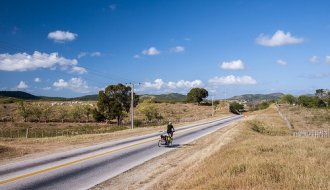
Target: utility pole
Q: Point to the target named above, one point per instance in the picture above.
(212, 108)
(132, 104)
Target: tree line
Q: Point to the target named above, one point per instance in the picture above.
(321, 99)
(114, 103)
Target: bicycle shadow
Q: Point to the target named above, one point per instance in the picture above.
(179, 145)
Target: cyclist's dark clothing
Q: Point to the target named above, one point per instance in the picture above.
(170, 130)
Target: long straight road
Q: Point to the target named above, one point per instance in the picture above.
(86, 167)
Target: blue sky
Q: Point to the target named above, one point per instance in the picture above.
(74, 48)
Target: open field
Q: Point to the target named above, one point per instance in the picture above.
(302, 118)
(263, 156)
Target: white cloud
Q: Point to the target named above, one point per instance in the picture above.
(278, 39)
(79, 70)
(327, 59)
(91, 54)
(233, 65)
(314, 59)
(62, 36)
(25, 62)
(22, 85)
(178, 49)
(281, 62)
(74, 84)
(185, 84)
(37, 79)
(60, 84)
(157, 84)
(151, 51)
(182, 84)
(232, 80)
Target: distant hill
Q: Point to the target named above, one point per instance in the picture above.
(26, 96)
(257, 97)
(19, 95)
(172, 97)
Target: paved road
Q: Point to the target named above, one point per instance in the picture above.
(86, 167)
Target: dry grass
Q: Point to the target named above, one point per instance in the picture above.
(307, 118)
(264, 159)
(187, 112)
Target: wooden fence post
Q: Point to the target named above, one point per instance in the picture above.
(27, 133)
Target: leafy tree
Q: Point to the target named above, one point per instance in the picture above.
(288, 98)
(115, 101)
(311, 102)
(62, 113)
(23, 110)
(36, 111)
(236, 107)
(98, 116)
(87, 111)
(77, 113)
(149, 110)
(197, 95)
(46, 111)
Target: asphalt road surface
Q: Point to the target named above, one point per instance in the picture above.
(86, 167)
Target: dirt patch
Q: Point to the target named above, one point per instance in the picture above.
(165, 171)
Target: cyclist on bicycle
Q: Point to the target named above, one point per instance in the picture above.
(170, 129)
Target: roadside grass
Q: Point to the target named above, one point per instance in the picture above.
(264, 156)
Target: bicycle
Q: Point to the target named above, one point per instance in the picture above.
(165, 140)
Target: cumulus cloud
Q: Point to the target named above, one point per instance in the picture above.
(62, 36)
(232, 80)
(314, 59)
(74, 84)
(184, 84)
(157, 84)
(233, 65)
(25, 62)
(22, 85)
(37, 79)
(79, 70)
(151, 51)
(178, 49)
(280, 38)
(281, 62)
(181, 84)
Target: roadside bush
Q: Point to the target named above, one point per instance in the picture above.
(263, 105)
(98, 116)
(138, 123)
(311, 102)
(236, 108)
(288, 98)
